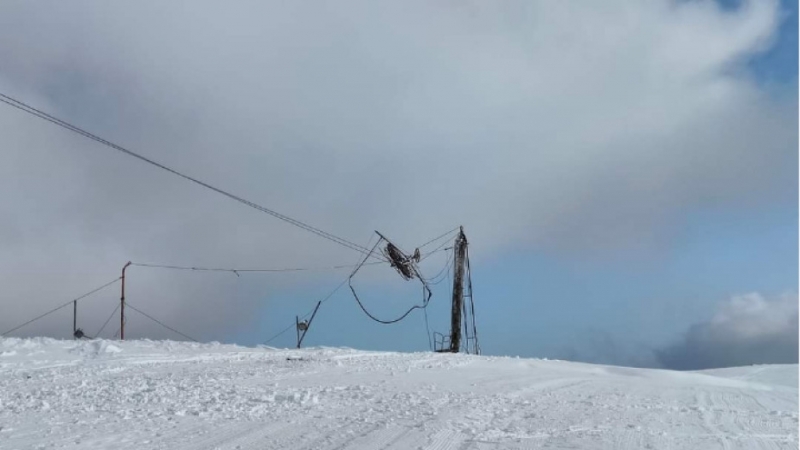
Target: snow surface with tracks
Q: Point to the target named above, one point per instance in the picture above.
(174, 395)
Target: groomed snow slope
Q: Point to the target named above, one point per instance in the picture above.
(169, 395)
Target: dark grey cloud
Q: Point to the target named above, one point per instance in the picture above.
(747, 329)
(550, 125)
(599, 346)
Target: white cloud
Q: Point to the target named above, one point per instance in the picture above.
(746, 329)
(752, 316)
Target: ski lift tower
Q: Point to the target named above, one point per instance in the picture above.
(463, 306)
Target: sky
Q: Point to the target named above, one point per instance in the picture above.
(626, 172)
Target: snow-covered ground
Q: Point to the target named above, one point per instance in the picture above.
(170, 395)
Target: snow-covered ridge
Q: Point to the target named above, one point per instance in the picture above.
(176, 395)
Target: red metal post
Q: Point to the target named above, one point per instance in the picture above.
(122, 305)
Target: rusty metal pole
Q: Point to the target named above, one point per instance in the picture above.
(297, 327)
(122, 305)
(300, 337)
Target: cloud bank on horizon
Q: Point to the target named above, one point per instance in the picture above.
(746, 329)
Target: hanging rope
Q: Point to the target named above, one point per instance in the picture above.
(406, 267)
(160, 322)
(477, 347)
(327, 297)
(97, 335)
(427, 328)
(443, 272)
(358, 266)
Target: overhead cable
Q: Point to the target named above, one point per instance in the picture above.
(327, 297)
(160, 322)
(62, 306)
(426, 290)
(110, 316)
(440, 237)
(238, 271)
(52, 119)
(347, 280)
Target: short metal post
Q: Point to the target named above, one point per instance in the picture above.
(297, 327)
(122, 305)
(307, 326)
(74, 318)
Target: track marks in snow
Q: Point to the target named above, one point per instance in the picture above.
(738, 419)
(446, 440)
(182, 397)
(382, 437)
(304, 434)
(211, 438)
